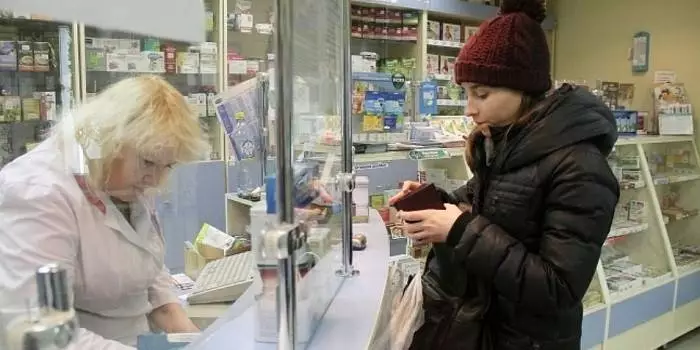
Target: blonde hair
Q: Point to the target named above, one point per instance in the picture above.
(145, 113)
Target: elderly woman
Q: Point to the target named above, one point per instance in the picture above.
(80, 199)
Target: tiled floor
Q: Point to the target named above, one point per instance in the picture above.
(690, 341)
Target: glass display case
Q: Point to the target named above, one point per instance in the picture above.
(593, 299)
(674, 169)
(634, 256)
(109, 56)
(37, 79)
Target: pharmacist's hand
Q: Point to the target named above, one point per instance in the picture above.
(430, 226)
(408, 187)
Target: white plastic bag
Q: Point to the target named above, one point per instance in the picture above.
(407, 316)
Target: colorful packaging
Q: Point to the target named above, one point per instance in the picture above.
(434, 30)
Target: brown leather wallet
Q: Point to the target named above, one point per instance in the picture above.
(425, 197)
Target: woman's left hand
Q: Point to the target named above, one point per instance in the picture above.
(430, 226)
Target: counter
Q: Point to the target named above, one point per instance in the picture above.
(351, 318)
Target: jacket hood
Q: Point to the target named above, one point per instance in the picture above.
(573, 115)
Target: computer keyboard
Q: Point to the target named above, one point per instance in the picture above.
(223, 280)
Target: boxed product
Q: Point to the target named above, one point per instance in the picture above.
(447, 65)
(432, 64)
(8, 56)
(393, 110)
(116, 62)
(368, 14)
(31, 108)
(95, 59)
(621, 283)
(47, 100)
(42, 56)
(360, 200)
(411, 18)
(381, 31)
(410, 32)
(451, 32)
(395, 33)
(356, 30)
(395, 16)
(434, 30)
(207, 63)
(124, 46)
(188, 62)
(146, 62)
(151, 44)
(356, 13)
(381, 15)
(25, 56)
(470, 32)
(170, 58)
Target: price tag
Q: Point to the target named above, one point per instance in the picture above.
(432, 153)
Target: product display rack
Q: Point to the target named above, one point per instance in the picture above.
(643, 295)
(193, 68)
(37, 75)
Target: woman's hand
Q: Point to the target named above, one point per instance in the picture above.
(430, 226)
(408, 187)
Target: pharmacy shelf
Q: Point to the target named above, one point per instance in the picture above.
(657, 306)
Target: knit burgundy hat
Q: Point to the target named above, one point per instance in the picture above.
(509, 50)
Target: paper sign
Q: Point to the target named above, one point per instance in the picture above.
(664, 76)
(185, 22)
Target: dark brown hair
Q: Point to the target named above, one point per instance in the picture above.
(529, 108)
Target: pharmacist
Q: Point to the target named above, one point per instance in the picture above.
(81, 199)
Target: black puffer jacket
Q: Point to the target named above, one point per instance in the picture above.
(513, 272)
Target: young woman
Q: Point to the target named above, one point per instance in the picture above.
(80, 199)
(516, 248)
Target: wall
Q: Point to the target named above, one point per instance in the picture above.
(593, 38)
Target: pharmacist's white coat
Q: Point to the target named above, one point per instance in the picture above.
(118, 273)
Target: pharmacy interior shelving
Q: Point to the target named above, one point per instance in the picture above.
(37, 78)
(647, 285)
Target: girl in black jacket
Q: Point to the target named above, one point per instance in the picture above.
(516, 248)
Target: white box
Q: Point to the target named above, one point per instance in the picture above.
(116, 62)
(187, 62)
(432, 64)
(207, 63)
(451, 32)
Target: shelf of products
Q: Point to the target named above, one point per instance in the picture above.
(675, 172)
(633, 257)
(36, 77)
(191, 67)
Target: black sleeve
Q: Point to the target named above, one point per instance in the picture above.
(464, 194)
(578, 211)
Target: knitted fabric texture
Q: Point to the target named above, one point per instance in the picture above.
(509, 50)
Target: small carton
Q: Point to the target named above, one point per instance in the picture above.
(188, 62)
(434, 30)
(12, 107)
(116, 62)
(42, 56)
(25, 56)
(451, 32)
(410, 33)
(31, 108)
(447, 65)
(8, 56)
(432, 64)
(95, 59)
(47, 100)
(207, 63)
(170, 58)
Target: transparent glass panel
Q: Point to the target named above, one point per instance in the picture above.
(634, 256)
(674, 168)
(593, 299)
(36, 80)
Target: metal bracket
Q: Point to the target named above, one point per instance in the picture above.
(345, 182)
(282, 240)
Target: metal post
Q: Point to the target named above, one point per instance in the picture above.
(263, 107)
(284, 84)
(347, 176)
